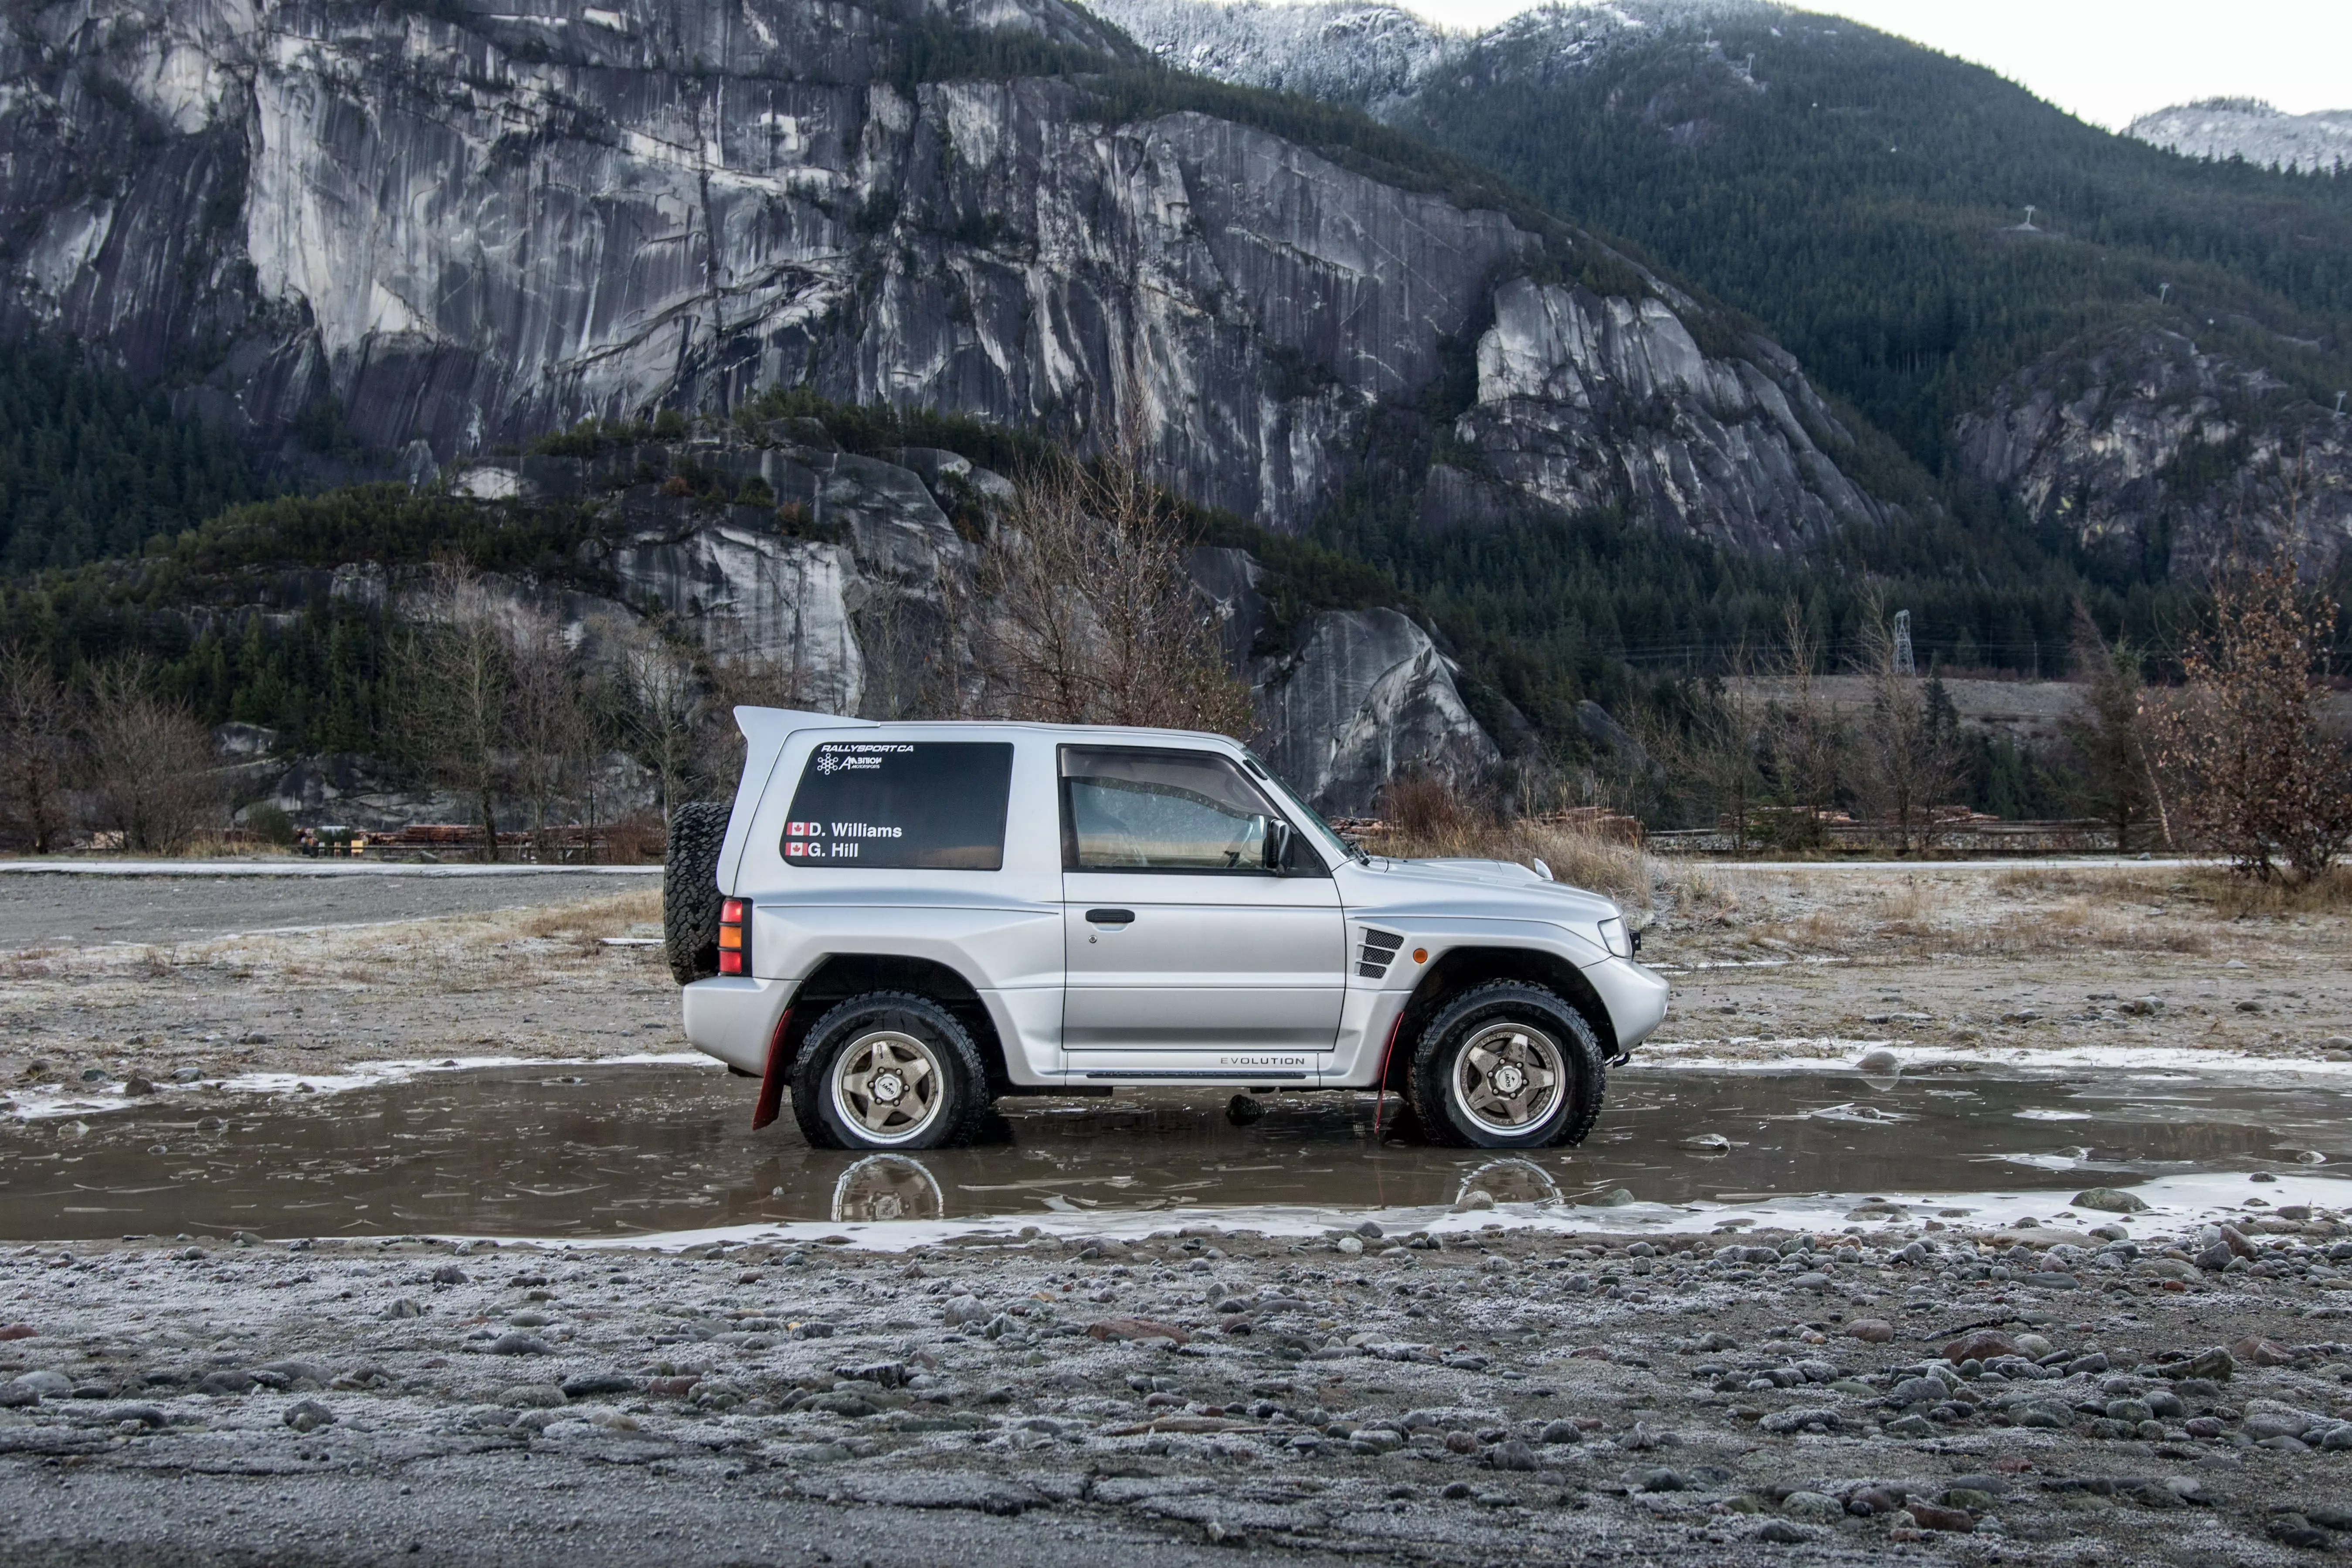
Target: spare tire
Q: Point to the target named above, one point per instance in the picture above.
(690, 890)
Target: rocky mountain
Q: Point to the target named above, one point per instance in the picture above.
(432, 229)
(1860, 197)
(753, 559)
(2164, 453)
(2250, 129)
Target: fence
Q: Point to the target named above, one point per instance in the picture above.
(1947, 835)
(570, 843)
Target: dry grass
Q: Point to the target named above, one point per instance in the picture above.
(2234, 897)
(588, 922)
(1430, 822)
(2028, 915)
(2107, 882)
(1579, 858)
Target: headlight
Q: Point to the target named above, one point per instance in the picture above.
(1614, 938)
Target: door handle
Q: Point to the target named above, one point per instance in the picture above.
(1110, 916)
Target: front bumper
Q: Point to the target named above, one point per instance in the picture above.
(733, 1018)
(1635, 994)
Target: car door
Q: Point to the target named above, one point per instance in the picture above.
(1186, 955)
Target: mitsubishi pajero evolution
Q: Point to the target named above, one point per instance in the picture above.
(898, 923)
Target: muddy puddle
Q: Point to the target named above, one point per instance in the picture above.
(619, 1150)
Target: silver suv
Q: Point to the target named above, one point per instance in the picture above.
(898, 923)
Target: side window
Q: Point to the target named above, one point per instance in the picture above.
(936, 805)
(1160, 811)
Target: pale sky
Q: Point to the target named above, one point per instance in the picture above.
(2108, 61)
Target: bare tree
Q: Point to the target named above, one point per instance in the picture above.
(152, 769)
(662, 711)
(550, 732)
(1908, 758)
(718, 760)
(36, 747)
(1089, 612)
(2108, 732)
(458, 680)
(1718, 751)
(2262, 773)
(1802, 736)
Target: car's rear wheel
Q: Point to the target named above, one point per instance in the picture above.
(1507, 1066)
(691, 896)
(889, 1070)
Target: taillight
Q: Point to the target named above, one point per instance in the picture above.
(735, 937)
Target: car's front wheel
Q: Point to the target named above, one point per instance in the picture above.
(1507, 1066)
(889, 1070)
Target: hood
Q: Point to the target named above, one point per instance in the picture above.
(1497, 889)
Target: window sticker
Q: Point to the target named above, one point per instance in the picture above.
(936, 805)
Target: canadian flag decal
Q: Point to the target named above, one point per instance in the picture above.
(799, 829)
(796, 849)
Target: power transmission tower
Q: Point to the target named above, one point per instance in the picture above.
(1903, 643)
(2028, 217)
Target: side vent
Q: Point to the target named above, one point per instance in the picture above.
(1380, 950)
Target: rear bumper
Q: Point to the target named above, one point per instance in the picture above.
(1635, 996)
(734, 1018)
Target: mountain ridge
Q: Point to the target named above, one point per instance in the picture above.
(1860, 198)
(2251, 129)
(446, 229)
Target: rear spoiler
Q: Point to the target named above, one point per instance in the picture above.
(765, 730)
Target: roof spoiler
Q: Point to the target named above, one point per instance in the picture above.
(765, 730)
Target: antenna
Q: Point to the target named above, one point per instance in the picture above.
(2163, 293)
(2029, 217)
(1902, 663)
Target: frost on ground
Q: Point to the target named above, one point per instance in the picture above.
(1768, 964)
(536, 983)
(1505, 1396)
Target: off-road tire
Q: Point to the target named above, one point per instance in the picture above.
(963, 1081)
(691, 896)
(1429, 1083)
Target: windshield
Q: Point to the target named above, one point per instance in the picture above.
(1306, 814)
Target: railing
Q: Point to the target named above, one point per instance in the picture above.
(568, 843)
(1946, 835)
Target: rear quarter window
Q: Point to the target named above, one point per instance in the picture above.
(936, 805)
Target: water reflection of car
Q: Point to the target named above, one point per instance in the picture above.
(897, 923)
(887, 1189)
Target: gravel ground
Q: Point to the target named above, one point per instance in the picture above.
(541, 982)
(1766, 964)
(1504, 1395)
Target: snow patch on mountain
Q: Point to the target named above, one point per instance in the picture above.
(2250, 129)
(1375, 55)
(1371, 56)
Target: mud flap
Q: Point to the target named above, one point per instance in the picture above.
(772, 1082)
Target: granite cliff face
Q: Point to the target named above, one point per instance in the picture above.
(2146, 445)
(431, 230)
(843, 589)
(2137, 439)
(1584, 402)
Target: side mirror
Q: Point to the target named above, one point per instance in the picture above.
(1278, 845)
